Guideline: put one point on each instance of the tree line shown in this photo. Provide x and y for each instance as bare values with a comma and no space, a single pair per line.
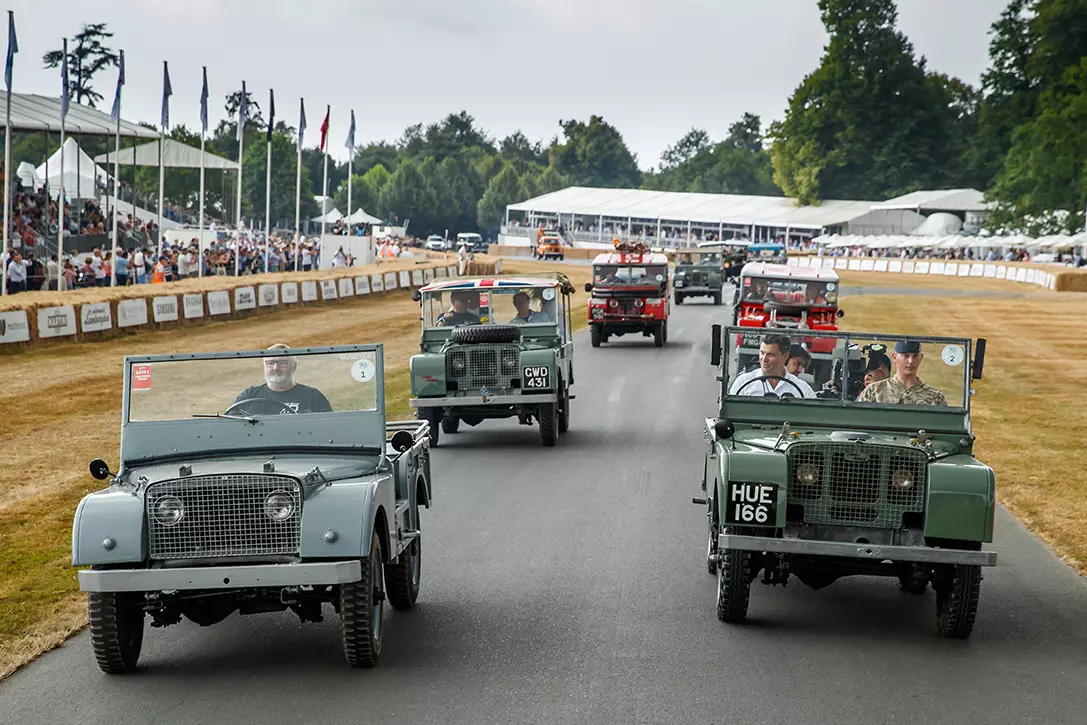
872,121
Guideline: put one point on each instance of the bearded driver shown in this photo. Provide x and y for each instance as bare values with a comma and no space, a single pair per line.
773,358
905,387
282,394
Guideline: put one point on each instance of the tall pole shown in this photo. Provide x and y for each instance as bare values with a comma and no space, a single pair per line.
13,47
241,144
324,184
298,185
116,191
60,204
203,134
268,183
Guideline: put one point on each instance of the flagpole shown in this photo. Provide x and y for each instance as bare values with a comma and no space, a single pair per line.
324,186
116,174
241,144
7,158
60,205
203,134
268,184
298,189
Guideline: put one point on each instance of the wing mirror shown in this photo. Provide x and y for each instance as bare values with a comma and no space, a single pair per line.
588,286
100,470
723,428
840,313
416,295
715,345
979,359
402,440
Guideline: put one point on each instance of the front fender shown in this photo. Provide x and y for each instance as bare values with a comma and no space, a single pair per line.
113,514
961,500
350,509
539,358
753,465
427,372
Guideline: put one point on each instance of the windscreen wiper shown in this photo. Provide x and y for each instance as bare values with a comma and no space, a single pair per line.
246,418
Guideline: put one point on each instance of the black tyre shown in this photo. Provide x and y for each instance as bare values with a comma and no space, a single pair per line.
658,335
733,585
716,298
450,423
549,423
116,624
679,298
594,333
564,409
665,333
472,334
433,416
711,542
783,307
957,594
362,611
402,578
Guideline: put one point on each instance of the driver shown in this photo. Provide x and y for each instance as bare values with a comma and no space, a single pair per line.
284,395
458,313
525,315
773,357
815,294
904,387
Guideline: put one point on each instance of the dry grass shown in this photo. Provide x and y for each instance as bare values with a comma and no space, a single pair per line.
1027,430
61,408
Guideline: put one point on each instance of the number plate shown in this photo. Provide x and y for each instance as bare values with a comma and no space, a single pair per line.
751,504
537,377
750,340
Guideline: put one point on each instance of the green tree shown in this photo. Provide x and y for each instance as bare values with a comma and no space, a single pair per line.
594,154
87,57
517,146
693,143
504,189
406,196
284,169
453,134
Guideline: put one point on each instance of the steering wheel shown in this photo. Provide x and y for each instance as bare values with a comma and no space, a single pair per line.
763,378
265,402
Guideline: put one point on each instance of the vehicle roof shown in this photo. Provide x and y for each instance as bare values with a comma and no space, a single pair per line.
788,271
486,282
767,245
631,258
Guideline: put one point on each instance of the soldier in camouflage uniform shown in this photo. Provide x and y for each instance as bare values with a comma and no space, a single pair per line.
905,387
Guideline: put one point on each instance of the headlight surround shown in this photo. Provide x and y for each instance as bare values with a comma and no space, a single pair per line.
807,474
638,303
614,303
279,505
509,360
458,363
902,480
169,511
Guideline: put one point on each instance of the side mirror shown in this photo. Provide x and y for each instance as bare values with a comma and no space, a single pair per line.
840,313
979,359
723,428
416,295
402,440
715,345
100,470
588,286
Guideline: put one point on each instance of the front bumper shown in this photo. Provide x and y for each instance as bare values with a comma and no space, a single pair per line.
459,401
701,290
220,577
857,551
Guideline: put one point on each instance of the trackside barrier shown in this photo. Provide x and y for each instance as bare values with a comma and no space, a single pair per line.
83,319
1054,278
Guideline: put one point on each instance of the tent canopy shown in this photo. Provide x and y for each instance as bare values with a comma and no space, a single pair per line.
361,217
331,218
80,172
174,155
947,200
31,112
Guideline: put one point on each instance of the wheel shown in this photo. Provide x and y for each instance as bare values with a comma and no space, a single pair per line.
665,333
402,578
471,334
564,410
733,585
433,416
116,624
679,298
549,423
658,335
716,298
362,611
594,332
957,597
711,543
450,423
562,257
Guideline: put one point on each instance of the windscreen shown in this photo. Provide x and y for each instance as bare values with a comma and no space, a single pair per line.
856,369
789,291
699,258
277,385
491,306
618,275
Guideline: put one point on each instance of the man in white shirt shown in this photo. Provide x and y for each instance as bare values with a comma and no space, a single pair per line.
773,356
98,267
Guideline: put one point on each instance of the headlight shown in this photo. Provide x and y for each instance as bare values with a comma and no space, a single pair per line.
902,480
807,473
509,360
458,363
169,511
638,303
614,303
279,506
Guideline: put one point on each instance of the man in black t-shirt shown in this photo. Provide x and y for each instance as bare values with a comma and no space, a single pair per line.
284,396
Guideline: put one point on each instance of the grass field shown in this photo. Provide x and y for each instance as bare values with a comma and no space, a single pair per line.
65,399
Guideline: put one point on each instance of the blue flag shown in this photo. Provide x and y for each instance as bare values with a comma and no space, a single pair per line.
167,91
351,137
64,89
116,114
241,114
204,102
13,48
301,121
271,113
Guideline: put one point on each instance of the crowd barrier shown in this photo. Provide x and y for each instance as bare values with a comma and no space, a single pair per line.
143,307
1055,278
506,250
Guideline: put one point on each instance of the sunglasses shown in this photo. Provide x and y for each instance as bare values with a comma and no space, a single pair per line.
277,363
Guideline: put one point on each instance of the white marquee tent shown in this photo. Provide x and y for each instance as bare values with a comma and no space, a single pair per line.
80,172
361,217
174,155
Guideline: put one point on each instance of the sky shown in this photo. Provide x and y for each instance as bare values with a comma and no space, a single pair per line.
652,68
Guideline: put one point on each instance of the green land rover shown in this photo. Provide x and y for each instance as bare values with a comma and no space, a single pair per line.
862,470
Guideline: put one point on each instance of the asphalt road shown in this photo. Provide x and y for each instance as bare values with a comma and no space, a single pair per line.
568,585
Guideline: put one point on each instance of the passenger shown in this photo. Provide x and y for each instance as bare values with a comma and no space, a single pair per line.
878,368
284,395
525,315
458,313
816,294
799,360
905,387
773,360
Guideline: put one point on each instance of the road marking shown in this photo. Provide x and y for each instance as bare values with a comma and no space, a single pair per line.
616,390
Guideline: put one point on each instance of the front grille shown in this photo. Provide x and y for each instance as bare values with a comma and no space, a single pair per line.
697,279
224,516
854,483
496,367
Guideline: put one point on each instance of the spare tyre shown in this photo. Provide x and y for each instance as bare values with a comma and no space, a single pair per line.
786,307
472,334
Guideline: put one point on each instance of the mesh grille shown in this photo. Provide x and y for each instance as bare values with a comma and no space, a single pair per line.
223,516
698,279
496,367
854,483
